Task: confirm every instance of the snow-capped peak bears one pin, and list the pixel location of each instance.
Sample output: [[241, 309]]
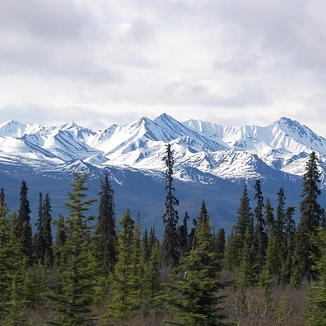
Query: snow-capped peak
[[224, 151]]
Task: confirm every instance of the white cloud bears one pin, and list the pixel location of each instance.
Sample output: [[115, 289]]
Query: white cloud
[[231, 61]]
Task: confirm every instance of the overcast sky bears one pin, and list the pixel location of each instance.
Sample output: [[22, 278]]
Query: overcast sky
[[101, 61]]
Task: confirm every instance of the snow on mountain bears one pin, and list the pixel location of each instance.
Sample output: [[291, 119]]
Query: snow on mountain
[[14, 128], [277, 144], [203, 150]]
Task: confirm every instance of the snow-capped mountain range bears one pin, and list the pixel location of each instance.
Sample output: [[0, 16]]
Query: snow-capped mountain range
[[200, 148]]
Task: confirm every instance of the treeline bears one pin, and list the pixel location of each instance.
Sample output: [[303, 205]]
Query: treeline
[[94, 272]]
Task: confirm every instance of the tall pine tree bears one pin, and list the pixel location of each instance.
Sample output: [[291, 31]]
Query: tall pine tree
[[106, 230], [24, 230], [171, 251], [260, 238], [195, 295], [74, 291], [310, 220]]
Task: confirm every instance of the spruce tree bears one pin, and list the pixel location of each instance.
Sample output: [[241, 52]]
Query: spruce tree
[[220, 242], [279, 234], [310, 220], [74, 291], [152, 287], [243, 229], [38, 241], [47, 229], [145, 246], [260, 238], [4, 253], [60, 241], [183, 236], [171, 252], [43, 236], [316, 310], [289, 232], [106, 229], [195, 295], [231, 256], [126, 299], [246, 275], [14, 269], [24, 230]]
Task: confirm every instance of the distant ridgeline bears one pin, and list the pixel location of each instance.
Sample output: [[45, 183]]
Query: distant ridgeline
[[212, 162]]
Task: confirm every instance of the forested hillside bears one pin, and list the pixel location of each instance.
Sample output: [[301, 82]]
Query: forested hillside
[[103, 269]]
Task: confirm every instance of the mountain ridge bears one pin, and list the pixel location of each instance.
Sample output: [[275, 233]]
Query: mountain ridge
[[223, 151]]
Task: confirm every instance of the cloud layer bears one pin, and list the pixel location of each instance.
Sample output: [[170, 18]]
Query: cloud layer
[[229, 61]]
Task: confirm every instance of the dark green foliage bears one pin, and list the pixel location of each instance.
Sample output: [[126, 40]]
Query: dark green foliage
[[43, 237], [60, 241], [220, 242], [171, 252], [260, 238], [269, 217], [35, 287], [231, 258], [280, 242], [106, 226], [127, 277], [2, 198], [246, 274], [202, 214], [183, 236], [310, 220], [238, 239], [13, 265], [289, 234], [194, 296], [152, 288], [24, 230], [316, 310], [145, 246], [73, 293]]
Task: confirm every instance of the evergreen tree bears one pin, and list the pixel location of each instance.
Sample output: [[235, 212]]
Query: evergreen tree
[[126, 284], [183, 236], [2, 198], [106, 225], [38, 241], [316, 310], [310, 220], [43, 236], [4, 253], [35, 286], [171, 252], [202, 214], [47, 230], [243, 229], [145, 246], [24, 230], [231, 256], [270, 222], [260, 238], [13, 265], [246, 275], [74, 291], [289, 232], [60, 241], [220, 242], [279, 235], [194, 296], [152, 287]]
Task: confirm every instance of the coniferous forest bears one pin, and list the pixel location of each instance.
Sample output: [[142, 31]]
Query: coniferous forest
[[107, 270]]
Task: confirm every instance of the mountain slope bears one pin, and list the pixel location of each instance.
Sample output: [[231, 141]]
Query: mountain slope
[[211, 161]]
